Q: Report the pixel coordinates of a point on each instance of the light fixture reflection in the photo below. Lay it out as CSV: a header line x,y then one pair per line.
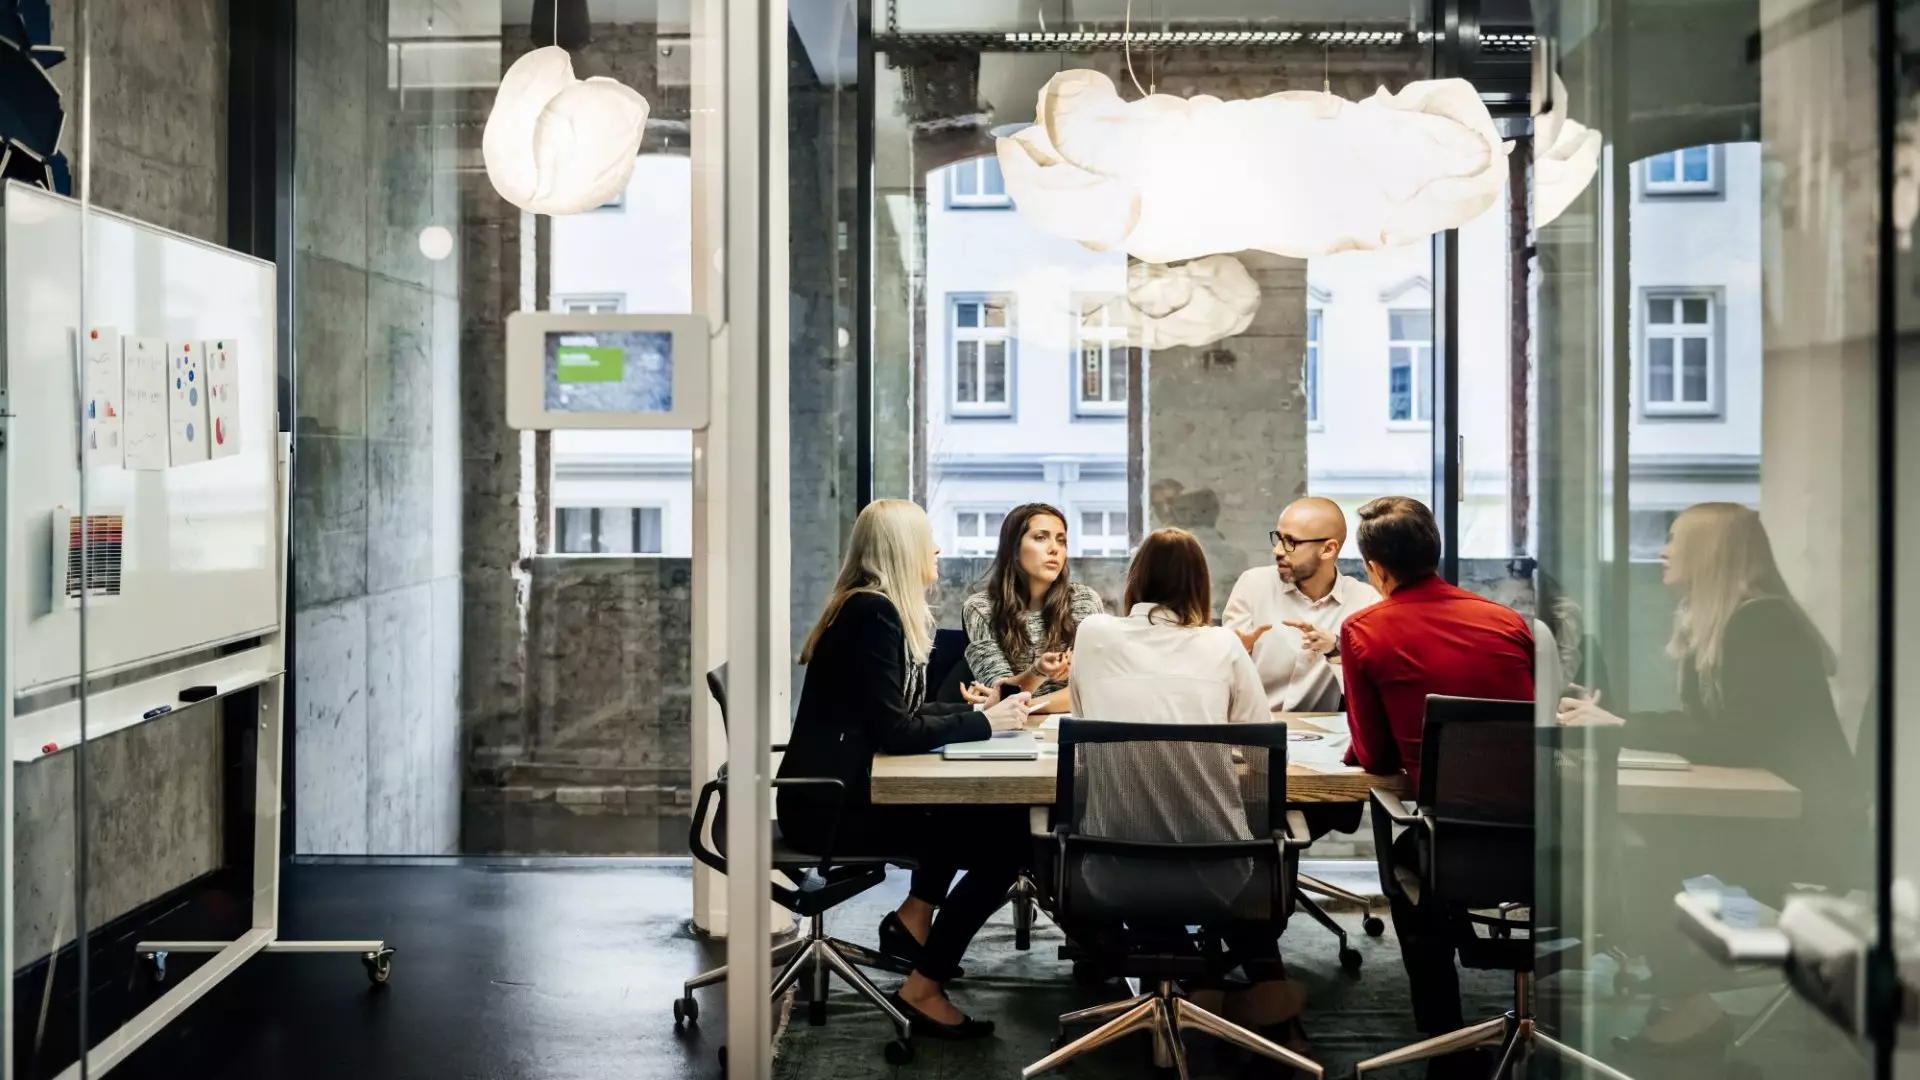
x,y
1298,173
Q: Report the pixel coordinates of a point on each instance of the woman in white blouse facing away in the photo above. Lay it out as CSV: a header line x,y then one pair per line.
x,y
1162,662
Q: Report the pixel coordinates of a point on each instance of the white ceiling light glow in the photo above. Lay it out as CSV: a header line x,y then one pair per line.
x,y
555,144
1566,157
1300,173
1191,304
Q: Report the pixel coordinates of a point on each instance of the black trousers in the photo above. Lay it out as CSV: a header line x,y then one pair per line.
x,y
1426,945
991,844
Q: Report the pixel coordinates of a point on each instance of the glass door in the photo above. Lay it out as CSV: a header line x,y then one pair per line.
x,y
1713,462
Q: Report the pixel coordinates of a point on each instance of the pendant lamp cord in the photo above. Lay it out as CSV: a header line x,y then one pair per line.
x,y
1326,68
556,23
1126,41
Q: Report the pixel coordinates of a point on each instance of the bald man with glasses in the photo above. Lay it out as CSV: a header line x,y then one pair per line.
x,y
1289,614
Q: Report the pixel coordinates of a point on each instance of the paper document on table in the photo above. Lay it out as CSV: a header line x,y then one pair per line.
x,y
1052,723
1318,750
1652,759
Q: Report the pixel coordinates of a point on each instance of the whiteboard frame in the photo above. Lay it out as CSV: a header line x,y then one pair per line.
x,y
200,555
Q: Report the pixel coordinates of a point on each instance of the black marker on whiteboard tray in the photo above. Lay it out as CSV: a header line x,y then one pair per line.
x,y
154,714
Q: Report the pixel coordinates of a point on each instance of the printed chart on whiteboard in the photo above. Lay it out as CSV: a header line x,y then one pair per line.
x,y
106,399
145,427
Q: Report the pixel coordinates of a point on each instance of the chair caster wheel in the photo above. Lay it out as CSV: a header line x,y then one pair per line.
x,y
1087,973
686,1011
379,966
817,1013
1373,925
899,1052
1350,958
1022,938
723,1061
155,965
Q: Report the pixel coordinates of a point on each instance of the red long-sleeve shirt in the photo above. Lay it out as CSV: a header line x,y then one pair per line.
x,y
1425,638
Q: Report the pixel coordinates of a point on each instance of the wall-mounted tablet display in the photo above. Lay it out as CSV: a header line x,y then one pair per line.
x,y
606,371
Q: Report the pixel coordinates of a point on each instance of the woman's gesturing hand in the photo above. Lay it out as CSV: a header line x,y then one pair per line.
x,y
1011,714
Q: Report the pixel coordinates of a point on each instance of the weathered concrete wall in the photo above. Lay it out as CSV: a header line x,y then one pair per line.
x,y
607,763
376,514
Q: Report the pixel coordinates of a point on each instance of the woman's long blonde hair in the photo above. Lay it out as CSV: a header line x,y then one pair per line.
x,y
1725,560
888,555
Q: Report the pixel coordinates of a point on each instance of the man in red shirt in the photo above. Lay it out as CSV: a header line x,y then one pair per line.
x,y
1425,637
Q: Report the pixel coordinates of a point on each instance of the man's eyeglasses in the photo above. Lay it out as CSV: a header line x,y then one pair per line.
x,y
1288,543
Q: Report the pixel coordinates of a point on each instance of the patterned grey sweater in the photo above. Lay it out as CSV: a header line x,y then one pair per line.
x,y
989,662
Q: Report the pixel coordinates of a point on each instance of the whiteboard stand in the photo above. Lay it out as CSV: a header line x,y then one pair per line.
x,y
268,657
201,593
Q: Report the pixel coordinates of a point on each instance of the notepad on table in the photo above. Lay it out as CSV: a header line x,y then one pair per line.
x,y
1652,759
1003,746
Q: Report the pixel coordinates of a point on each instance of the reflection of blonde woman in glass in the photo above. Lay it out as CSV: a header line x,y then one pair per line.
x,y
1753,690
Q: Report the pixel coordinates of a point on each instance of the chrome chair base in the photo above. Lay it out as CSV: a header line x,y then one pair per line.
x,y
1164,1015
816,953
1516,1033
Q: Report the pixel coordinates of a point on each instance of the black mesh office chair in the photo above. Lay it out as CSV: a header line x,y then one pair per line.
x,y
1145,847
1475,880
820,881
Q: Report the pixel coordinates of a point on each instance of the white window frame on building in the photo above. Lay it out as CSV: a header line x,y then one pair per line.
x,y
1676,163
590,304
646,529
1686,321
1417,354
1112,538
1310,370
982,336
982,175
1101,349
976,530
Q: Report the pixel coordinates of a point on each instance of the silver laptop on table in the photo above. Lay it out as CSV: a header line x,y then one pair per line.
x,y
1004,746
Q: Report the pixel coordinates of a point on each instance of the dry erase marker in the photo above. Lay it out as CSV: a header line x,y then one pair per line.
x,y
153,714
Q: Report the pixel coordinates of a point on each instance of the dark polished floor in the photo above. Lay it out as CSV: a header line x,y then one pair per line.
x,y
567,971
503,973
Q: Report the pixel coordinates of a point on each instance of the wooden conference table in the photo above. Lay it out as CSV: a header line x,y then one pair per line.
x,y
1696,791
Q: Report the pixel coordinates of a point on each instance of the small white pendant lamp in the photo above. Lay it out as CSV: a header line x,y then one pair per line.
x,y
555,144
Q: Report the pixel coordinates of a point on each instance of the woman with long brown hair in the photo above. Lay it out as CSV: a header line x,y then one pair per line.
x,y
1020,627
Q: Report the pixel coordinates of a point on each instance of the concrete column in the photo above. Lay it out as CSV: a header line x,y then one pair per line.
x,y
1819,480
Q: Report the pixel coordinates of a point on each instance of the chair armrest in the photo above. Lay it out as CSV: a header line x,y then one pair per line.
x,y
1391,805
696,844
1298,835
833,784
1388,811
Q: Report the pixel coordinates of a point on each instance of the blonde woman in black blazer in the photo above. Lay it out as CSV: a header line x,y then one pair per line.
x,y
865,692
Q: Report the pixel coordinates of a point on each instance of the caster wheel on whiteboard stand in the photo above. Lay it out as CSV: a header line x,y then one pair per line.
x,y
686,1012
1373,925
155,966
379,966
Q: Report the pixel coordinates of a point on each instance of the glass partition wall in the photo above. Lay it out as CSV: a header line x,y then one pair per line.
x,y
1007,364
1711,464
1661,422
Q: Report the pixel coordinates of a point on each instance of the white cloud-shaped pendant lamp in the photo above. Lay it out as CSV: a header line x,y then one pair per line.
x,y
555,144
1566,157
1192,304
1298,173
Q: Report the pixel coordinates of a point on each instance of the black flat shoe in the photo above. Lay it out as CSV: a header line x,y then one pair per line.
x,y
898,942
925,1026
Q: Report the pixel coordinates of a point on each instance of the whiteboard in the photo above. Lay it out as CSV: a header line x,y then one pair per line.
x,y
200,564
